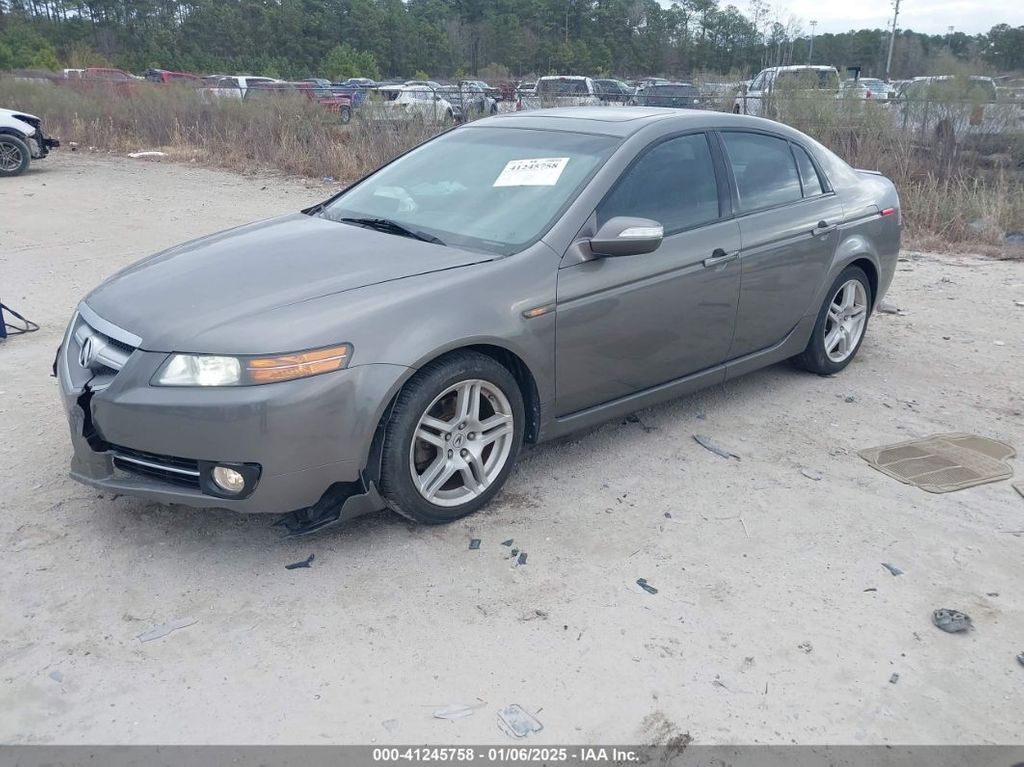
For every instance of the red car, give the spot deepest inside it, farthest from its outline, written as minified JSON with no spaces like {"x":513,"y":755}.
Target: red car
{"x":325,"y":96}
{"x":181,"y":78}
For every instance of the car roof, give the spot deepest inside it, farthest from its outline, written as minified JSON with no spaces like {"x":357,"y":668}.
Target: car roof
{"x":802,"y":68}
{"x":621,"y":121}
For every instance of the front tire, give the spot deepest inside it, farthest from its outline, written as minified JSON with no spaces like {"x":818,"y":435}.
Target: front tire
{"x":841,"y":325}
{"x":452,"y":439}
{"x":345,"y":113}
{"x":14,"y":155}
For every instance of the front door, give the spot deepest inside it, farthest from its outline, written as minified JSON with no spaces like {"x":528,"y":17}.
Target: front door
{"x":631,"y":323}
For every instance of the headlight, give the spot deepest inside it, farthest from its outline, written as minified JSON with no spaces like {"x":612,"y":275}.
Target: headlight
{"x":212,"y":370}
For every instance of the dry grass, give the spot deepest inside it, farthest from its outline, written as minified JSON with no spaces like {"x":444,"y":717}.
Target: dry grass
{"x":951,"y":199}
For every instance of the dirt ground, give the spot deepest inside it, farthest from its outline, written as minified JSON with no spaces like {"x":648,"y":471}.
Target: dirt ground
{"x":774,"y":619}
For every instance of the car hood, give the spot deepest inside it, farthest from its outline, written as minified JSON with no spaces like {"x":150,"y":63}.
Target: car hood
{"x":198,"y":295}
{"x":10,"y":114}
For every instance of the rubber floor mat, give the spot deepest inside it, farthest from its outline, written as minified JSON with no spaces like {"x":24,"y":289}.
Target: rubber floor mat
{"x":943,"y":463}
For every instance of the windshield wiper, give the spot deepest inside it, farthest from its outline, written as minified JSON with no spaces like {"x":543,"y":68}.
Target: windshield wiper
{"x":392,"y":227}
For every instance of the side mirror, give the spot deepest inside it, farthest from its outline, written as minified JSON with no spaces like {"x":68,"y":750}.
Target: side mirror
{"x":627,"y":236}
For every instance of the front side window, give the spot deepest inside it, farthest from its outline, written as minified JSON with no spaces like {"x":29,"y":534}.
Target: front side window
{"x":764,"y":169}
{"x":673,"y":183}
{"x":491,"y":189}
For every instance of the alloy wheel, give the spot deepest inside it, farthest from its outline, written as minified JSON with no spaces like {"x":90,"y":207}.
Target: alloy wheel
{"x":847,"y":316}
{"x":10,"y":157}
{"x":461,"y":442}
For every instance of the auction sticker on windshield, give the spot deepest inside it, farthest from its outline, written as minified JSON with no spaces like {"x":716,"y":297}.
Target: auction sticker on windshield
{"x":542,"y":171}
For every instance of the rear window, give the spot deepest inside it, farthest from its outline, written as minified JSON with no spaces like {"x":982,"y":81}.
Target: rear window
{"x":672,"y":90}
{"x":826,"y":79}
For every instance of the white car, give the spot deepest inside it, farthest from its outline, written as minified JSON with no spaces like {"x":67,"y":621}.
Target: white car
{"x":234,"y":86}
{"x":869,"y":89}
{"x":757,"y":98}
{"x":21,"y":141}
{"x":405,"y":102}
{"x":562,"y":91}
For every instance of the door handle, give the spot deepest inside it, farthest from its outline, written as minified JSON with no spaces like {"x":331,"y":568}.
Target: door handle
{"x":823,"y":227}
{"x":719,"y":256}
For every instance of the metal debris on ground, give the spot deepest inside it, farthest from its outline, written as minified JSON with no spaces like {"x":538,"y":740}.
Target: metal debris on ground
{"x":811,"y":474}
{"x":951,"y":621}
{"x":307,"y":562}
{"x":456,"y":711}
{"x":521,"y":560}
{"x":892,"y":568}
{"x":166,"y":628}
{"x":894,"y":679}
{"x":515,"y":720}
{"x":642,"y":583}
{"x":708,"y":444}
{"x":508,"y":542}
{"x":474,"y":544}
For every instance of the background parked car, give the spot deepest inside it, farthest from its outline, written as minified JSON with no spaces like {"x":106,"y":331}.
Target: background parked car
{"x":763,"y":96}
{"x":234,"y":86}
{"x":868,"y":88}
{"x":563,"y":91}
{"x":337,"y":103}
{"x":22,"y":140}
{"x":614,"y":91}
{"x":672,"y":95}
{"x":409,"y":102}
{"x":166,"y":76}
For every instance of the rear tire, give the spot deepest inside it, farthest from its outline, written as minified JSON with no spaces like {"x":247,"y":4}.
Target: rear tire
{"x":346,"y":115}
{"x":14,"y":155}
{"x":841,"y":325}
{"x":452,"y":439}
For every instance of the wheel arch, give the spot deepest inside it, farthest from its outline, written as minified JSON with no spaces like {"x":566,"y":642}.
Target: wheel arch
{"x":504,"y":356}
{"x":871,"y":270}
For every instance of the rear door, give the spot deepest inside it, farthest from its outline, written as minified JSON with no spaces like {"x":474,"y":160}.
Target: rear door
{"x":788,"y":217}
{"x":631,"y":323}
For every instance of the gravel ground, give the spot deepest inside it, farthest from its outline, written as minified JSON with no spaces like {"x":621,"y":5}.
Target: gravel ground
{"x":774,"y":620}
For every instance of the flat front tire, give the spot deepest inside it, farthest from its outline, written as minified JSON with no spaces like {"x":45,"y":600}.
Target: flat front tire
{"x":841,"y":324}
{"x":14,"y":155}
{"x":452,"y":438}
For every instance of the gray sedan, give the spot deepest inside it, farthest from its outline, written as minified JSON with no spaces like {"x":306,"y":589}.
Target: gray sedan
{"x":508,"y":282}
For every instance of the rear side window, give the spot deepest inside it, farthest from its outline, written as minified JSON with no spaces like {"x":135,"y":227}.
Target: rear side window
{"x":808,"y":174}
{"x":673,"y":184}
{"x":764,"y":168}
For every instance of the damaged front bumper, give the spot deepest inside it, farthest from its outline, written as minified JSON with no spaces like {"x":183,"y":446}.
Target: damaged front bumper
{"x":301,"y":444}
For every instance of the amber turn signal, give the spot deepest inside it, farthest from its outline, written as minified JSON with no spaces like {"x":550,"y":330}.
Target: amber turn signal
{"x":286,"y":367}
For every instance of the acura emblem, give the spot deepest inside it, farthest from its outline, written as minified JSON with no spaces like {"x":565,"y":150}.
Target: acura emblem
{"x":91,"y":348}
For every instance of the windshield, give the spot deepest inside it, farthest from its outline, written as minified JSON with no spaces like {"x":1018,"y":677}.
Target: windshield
{"x":491,"y":189}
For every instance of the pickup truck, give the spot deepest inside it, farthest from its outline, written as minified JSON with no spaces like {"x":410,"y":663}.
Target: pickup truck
{"x":561,"y":91}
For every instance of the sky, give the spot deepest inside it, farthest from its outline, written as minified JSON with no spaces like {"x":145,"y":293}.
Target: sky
{"x":929,"y":16}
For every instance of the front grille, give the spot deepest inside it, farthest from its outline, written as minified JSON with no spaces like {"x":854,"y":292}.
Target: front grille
{"x":183,"y":472}
{"x":96,"y":350}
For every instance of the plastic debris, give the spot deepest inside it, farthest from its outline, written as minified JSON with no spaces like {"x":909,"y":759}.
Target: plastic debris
{"x":892,"y":568}
{"x":307,"y":562}
{"x":642,"y":583}
{"x":1020,"y":659}
{"x":951,"y":621}
{"x":474,"y":544}
{"x":166,"y":628}
{"x":811,"y":474}
{"x":515,"y":720}
{"x":456,"y":711}
{"x":137,"y":155}
{"x":894,"y":679}
{"x":522,"y":559}
{"x":57,"y":676}
{"x":508,"y":542}
{"x":708,"y":444}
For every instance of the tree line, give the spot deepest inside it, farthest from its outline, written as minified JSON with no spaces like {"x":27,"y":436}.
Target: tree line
{"x":498,"y":39}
